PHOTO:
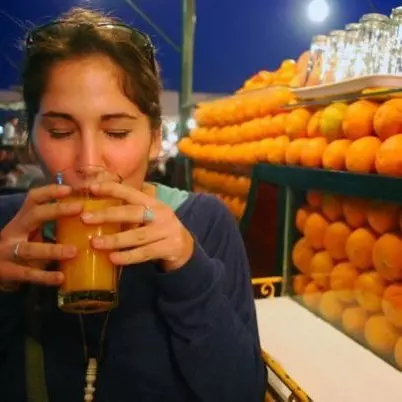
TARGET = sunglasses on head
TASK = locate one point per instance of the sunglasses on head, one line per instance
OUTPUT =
(140, 39)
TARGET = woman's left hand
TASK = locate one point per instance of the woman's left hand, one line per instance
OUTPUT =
(161, 238)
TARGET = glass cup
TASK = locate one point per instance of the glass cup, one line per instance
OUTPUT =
(90, 279)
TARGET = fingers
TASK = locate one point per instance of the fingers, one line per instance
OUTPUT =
(125, 193)
(28, 251)
(131, 238)
(12, 272)
(121, 214)
(48, 212)
(47, 193)
(159, 250)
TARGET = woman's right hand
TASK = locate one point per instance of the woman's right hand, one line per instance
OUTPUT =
(34, 254)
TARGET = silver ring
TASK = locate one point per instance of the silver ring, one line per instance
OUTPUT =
(16, 252)
(149, 215)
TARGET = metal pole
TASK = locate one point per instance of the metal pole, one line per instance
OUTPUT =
(187, 66)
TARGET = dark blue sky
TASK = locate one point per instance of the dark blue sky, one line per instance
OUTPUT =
(234, 38)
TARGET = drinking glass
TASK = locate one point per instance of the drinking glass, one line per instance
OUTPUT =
(90, 279)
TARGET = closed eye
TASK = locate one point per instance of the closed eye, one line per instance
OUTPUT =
(59, 133)
(118, 133)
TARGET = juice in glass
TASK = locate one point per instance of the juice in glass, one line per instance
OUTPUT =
(90, 279)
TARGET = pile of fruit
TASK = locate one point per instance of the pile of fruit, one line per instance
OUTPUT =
(363, 137)
(231, 189)
(290, 73)
(349, 259)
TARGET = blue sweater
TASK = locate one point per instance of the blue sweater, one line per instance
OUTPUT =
(189, 335)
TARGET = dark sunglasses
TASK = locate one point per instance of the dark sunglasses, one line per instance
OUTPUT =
(140, 39)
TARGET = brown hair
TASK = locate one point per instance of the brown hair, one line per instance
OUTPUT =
(80, 35)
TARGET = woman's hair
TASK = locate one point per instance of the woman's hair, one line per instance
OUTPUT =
(80, 33)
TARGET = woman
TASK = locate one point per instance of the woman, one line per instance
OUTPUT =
(185, 328)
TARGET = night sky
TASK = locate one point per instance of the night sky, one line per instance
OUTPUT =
(234, 38)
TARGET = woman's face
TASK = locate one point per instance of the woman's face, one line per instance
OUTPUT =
(86, 119)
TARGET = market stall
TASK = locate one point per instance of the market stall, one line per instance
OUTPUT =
(313, 174)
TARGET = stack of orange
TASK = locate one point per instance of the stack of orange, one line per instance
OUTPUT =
(229, 184)
(349, 260)
(231, 189)
(235, 204)
(363, 137)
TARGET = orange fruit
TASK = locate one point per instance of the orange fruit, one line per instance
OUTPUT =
(314, 199)
(331, 121)
(342, 281)
(330, 307)
(359, 248)
(296, 123)
(321, 266)
(302, 254)
(312, 296)
(314, 230)
(387, 256)
(369, 289)
(335, 238)
(381, 335)
(383, 217)
(278, 150)
(301, 216)
(265, 125)
(294, 150)
(277, 125)
(332, 207)
(311, 155)
(264, 149)
(358, 119)
(388, 160)
(313, 128)
(392, 304)
(354, 320)
(355, 211)
(388, 119)
(288, 64)
(334, 154)
(299, 283)
(361, 155)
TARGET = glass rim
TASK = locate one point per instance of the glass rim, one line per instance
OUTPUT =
(111, 176)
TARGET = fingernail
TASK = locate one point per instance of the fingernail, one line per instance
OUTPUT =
(115, 258)
(70, 251)
(98, 241)
(86, 216)
(59, 277)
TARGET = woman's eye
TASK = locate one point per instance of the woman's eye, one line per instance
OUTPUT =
(56, 133)
(118, 133)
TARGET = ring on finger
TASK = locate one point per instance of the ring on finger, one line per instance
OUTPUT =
(148, 215)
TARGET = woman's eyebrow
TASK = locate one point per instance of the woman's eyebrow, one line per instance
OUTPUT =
(60, 115)
(104, 117)
(111, 116)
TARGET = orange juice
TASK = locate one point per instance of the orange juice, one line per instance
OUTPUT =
(90, 279)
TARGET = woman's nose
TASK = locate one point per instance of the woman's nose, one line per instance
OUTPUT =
(89, 152)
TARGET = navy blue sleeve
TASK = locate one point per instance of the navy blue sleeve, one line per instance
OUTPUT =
(11, 303)
(209, 307)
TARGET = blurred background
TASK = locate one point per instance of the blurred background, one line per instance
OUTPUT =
(233, 39)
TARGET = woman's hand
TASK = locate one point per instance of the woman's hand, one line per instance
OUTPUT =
(163, 238)
(20, 237)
